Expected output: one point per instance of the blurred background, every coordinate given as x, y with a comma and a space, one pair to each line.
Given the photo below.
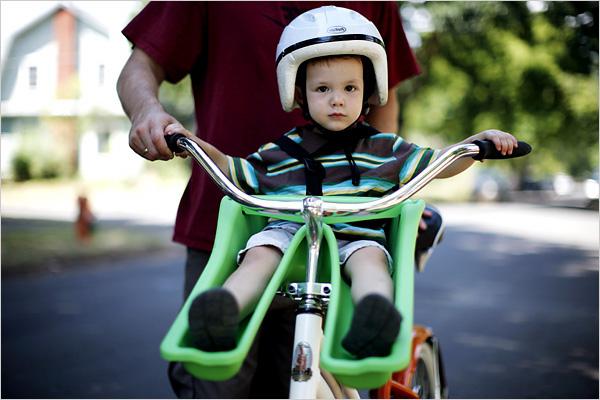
91, 280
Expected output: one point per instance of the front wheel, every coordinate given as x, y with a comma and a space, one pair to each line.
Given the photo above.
423, 378
425, 382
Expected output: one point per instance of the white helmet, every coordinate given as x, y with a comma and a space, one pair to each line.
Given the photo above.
326, 31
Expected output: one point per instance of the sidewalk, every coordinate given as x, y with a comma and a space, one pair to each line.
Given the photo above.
554, 225
131, 220
154, 201
148, 201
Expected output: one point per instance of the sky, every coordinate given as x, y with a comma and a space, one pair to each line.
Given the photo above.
14, 15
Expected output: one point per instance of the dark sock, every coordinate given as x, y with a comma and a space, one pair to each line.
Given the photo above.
213, 320
374, 328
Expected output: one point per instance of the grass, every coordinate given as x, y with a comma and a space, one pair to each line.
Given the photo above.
33, 246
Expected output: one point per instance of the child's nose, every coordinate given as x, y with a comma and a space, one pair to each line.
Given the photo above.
337, 99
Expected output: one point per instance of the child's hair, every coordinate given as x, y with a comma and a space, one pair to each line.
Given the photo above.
368, 78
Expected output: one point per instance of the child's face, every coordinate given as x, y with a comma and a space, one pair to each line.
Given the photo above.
334, 92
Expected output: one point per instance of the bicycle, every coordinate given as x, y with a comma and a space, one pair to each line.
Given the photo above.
412, 370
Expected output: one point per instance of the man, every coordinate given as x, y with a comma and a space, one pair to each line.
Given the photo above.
228, 49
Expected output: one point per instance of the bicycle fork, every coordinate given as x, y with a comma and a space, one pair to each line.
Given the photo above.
306, 372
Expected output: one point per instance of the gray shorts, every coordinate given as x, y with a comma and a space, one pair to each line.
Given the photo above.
280, 236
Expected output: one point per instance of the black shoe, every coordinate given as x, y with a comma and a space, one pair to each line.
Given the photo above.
213, 320
374, 328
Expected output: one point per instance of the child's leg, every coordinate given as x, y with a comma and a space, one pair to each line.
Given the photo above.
215, 314
250, 279
368, 272
376, 322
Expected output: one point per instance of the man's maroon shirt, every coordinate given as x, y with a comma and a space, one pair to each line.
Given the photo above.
228, 48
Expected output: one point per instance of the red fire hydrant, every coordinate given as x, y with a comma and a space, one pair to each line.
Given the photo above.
84, 223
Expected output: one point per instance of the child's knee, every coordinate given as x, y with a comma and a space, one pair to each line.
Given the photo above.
367, 258
262, 255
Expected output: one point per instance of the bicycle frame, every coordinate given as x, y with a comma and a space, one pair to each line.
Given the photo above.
315, 212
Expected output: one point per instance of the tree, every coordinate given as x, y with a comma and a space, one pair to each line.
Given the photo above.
497, 64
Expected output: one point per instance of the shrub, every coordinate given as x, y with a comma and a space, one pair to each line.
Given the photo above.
21, 166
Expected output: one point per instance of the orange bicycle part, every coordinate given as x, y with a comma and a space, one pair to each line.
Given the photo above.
399, 385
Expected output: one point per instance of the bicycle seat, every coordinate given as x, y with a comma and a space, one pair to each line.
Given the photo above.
235, 225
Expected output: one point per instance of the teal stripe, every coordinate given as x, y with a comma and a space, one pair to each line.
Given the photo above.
255, 156
232, 171
410, 167
407, 167
372, 157
359, 231
344, 163
288, 190
397, 144
287, 163
365, 157
249, 174
424, 162
368, 187
371, 185
295, 167
295, 137
383, 135
327, 164
242, 175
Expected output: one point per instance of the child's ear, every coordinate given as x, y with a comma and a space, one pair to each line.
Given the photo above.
298, 95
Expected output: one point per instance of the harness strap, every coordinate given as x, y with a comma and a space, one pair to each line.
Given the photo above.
314, 171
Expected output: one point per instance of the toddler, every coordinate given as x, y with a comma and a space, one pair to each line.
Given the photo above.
331, 64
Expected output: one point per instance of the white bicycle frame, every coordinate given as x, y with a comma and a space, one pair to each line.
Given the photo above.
308, 381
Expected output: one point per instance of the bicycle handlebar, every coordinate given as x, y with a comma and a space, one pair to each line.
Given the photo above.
488, 151
478, 150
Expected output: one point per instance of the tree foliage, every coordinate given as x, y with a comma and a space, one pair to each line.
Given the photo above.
499, 65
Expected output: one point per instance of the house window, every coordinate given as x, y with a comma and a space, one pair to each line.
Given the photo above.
101, 75
32, 77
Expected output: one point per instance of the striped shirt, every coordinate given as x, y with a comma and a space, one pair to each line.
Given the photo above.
385, 162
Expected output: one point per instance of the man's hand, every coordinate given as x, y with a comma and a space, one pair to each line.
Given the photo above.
146, 136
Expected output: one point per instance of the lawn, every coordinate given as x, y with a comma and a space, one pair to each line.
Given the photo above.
34, 245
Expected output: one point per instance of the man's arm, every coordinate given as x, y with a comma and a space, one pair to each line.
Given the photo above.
385, 118
137, 87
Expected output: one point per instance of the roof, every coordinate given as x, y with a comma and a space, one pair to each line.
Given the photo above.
69, 6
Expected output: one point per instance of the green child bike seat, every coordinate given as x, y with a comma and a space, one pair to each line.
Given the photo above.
235, 225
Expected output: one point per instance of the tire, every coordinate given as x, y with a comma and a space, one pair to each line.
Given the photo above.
426, 377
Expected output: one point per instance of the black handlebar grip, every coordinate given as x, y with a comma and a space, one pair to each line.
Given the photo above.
172, 142
487, 150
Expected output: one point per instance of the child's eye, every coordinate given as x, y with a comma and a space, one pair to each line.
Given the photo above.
322, 89
350, 88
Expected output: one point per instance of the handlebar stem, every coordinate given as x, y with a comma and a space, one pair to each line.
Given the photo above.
313, 216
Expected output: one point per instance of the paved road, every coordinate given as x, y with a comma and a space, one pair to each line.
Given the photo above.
516, 313
515, 319
90, 333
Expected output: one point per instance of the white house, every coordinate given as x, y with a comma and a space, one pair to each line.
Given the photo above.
59, 75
